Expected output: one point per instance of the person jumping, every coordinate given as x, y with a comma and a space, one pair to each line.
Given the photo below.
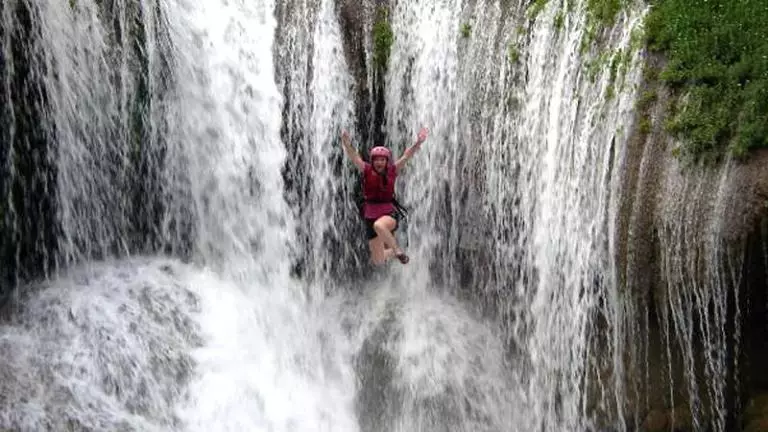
378, 179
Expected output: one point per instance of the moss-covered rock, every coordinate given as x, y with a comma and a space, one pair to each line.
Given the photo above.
383, 38
717, 69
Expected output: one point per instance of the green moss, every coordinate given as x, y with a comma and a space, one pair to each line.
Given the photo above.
588, 36
650, 73
513, 53
645, 125
466, 30
383, 38
559, 20
596, 65
620, 65
601, 14
717, 69
637, 38
535, 8
604, 11
617, 64
646, 99
616, 59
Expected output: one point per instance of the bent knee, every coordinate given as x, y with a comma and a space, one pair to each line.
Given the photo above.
384, 223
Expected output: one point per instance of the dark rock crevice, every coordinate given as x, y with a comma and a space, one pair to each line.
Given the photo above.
356, 20
27, 174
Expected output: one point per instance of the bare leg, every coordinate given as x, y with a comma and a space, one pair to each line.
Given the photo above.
378, 252
384, 227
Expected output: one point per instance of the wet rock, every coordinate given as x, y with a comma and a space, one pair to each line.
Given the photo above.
680, 230
757, 425
656, 421
756, 413
663, 420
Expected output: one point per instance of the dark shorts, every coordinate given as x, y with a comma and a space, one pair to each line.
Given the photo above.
371, 233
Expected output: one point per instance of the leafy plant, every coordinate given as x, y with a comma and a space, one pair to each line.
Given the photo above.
466, 30
383, 38
717, 67
513, 53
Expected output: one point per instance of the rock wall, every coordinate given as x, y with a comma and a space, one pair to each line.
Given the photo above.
691, 257
27, 176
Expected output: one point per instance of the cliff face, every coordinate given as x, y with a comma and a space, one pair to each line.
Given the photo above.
356, 20
692, 259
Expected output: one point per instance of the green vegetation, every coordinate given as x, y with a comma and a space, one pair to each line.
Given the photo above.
383, 38
717, 69
535, 8
595, 65
559, 19
601, 14
604, 11
466, 30
644, 103
513, 53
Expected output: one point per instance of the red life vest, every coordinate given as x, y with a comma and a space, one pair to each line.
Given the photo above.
378, 188
378, 193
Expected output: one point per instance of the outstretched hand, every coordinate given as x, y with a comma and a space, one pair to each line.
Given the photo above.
344, 135
422, 135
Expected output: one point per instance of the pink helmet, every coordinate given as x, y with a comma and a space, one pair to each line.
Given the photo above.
380, 151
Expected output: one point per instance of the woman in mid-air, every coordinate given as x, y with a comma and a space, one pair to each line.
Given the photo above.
379, 193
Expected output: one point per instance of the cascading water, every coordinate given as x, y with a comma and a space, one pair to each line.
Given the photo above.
314, 77
573, 130
152, 343
531, 170
702, 276
160, 129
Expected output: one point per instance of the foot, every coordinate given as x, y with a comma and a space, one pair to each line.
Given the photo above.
400, 255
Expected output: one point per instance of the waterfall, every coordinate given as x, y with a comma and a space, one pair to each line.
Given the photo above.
316, 83
176, 205
517, 187
700, 311
163, 119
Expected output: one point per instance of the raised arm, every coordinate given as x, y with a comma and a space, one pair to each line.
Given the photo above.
351, 152
410, 151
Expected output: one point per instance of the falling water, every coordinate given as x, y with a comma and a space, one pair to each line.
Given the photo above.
422, 91
99, 117
226, 341
702, 277
519, 180
317, 87
573, 131
204, 218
